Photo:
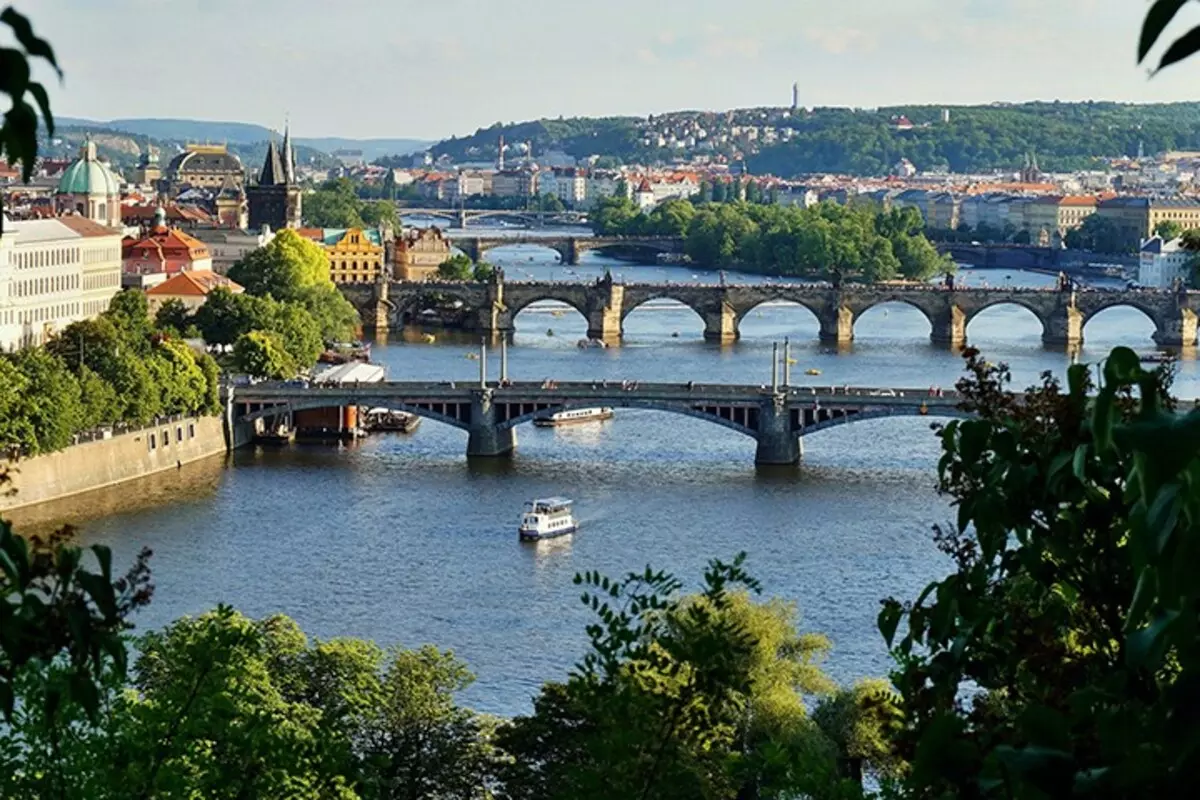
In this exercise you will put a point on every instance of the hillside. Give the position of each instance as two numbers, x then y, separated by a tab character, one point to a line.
242	133
863	142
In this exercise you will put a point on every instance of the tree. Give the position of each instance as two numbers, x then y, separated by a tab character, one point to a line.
719	193
483	272
1098	234
456	268
1067	610
1168	230
686	697
336	318
418	742
173	315
298	333
381	213
129	312
50	400
283	268
334	205
182	385
16	431
263	355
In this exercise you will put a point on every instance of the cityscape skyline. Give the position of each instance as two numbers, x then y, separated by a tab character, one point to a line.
579	61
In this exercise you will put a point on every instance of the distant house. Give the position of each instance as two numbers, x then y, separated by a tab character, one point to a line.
1161	263
419	253
164	249
190	288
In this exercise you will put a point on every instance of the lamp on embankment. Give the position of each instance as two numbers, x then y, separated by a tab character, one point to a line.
482	363
774	366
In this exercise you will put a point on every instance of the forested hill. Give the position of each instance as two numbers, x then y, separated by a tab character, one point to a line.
865	142
1063	135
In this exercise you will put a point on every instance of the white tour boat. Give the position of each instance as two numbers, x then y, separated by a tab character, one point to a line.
546	519
573	417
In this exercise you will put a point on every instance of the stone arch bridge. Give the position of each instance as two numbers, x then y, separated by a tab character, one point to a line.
776	418
490	308
569	248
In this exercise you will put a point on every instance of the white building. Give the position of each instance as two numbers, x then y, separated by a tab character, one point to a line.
54	272
1161	263
601	184
568	184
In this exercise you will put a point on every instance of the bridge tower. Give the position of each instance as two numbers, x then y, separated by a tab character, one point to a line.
604	318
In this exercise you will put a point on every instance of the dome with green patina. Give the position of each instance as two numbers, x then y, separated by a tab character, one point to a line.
89	175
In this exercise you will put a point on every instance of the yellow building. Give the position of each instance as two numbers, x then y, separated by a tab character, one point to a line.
1052	217
420	252
205	165
355	255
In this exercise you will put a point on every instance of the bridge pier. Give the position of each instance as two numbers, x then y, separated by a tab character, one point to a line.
572	254
604	323
949	327
778	444
721	324
1177	331
470	247
484	438
837	325
1063	327
494	317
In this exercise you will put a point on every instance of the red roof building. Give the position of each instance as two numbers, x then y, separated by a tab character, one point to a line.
190	288
164	249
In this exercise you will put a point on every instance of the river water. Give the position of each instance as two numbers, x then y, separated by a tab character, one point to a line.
401	540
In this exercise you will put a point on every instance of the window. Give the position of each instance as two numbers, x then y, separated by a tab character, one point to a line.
153	443
179	434
191	430
166	437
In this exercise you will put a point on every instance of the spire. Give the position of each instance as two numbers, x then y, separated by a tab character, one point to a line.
289	159
272	171
1033	162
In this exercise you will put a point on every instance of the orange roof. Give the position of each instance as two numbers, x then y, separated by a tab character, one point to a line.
315	234
1079	200
194	283
164	239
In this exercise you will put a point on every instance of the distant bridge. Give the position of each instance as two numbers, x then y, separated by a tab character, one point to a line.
461	217
569	248
491	308
776	417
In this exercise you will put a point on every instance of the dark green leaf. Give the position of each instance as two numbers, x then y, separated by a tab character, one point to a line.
1157	19
1184	46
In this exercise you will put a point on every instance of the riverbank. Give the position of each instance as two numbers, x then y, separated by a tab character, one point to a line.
105	462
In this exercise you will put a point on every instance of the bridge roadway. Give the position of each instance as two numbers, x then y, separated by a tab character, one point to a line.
775	418
459	217
490	308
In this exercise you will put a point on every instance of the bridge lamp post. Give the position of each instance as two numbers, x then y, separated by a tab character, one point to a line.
503	359
787	362
774	366
482	363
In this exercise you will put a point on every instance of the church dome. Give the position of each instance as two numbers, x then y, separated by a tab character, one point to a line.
88	175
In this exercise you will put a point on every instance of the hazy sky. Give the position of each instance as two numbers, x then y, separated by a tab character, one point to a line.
429	69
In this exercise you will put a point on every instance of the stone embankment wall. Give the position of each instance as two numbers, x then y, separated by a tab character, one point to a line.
106	462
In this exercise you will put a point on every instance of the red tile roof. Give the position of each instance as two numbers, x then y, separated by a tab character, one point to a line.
85	227
195	283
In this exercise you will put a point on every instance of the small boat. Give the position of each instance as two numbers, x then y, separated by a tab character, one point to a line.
550	331
1154	357
793	362
546	519
384	420
280	434
674	334
429	338
473	356
557	313
575	416
812	371
587	344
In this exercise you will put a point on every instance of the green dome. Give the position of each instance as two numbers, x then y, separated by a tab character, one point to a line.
88	175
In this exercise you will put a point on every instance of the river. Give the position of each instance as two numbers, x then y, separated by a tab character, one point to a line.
401	540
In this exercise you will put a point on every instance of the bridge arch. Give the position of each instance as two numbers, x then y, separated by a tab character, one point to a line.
566	298
557	245
649	405
292	407
747	317
1149	313
941	412
678	302
859	312
974	313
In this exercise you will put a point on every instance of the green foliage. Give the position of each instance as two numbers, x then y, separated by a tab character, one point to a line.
1098	234
335	316
483	272
457	267
19	133
50	403
334	205
686	697
56	609
264	355
1070	610
285	267
173	315
1168	229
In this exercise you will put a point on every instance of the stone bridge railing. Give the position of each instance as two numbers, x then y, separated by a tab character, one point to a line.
492	307
569	248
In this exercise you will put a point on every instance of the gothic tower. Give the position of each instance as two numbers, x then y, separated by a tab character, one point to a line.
275	200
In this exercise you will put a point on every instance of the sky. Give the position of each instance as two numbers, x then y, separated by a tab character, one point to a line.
435	68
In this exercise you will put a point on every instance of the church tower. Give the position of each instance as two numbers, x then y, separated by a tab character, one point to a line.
275	200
